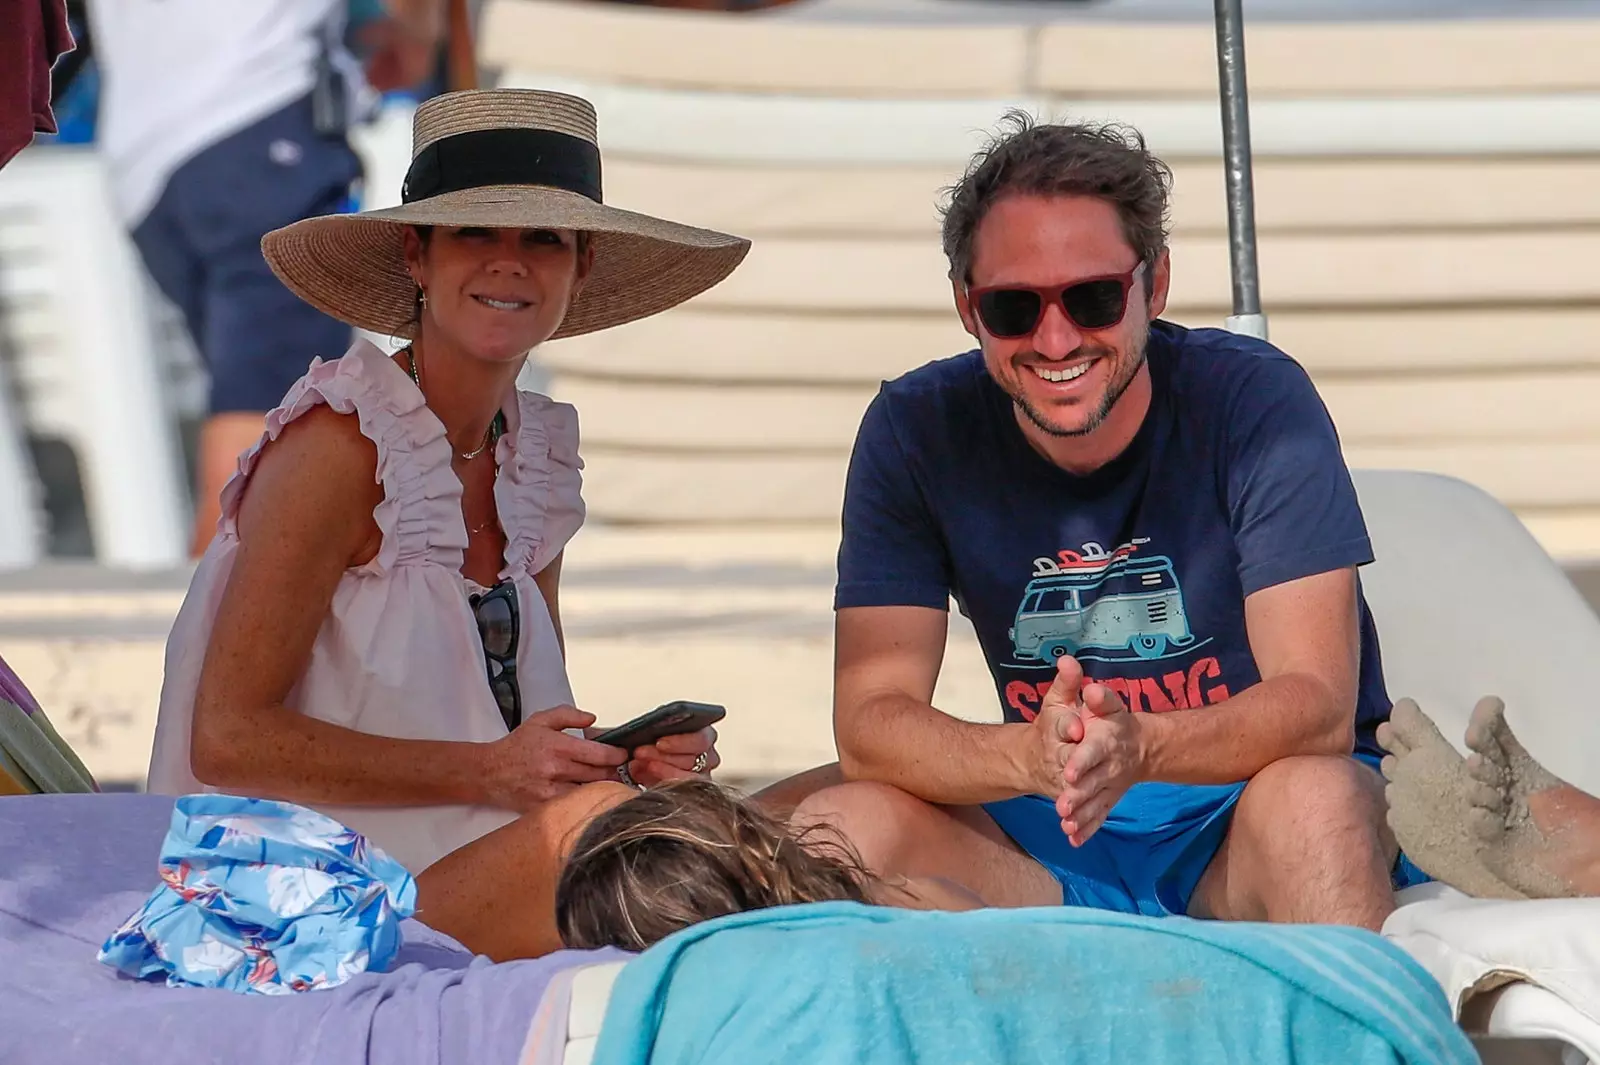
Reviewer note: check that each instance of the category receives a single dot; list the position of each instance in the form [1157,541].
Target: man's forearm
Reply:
[287,755]
[898,740]
[1234,740]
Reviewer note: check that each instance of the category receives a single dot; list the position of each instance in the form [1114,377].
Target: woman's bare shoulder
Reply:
[318,478]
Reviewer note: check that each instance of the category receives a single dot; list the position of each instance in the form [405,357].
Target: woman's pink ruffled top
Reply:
[399,652]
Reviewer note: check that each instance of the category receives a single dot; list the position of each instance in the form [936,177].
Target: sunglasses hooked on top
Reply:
[1012,311]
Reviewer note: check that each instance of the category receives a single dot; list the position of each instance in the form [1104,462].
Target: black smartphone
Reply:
[668,719]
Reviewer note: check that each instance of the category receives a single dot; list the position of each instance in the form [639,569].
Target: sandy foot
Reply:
[1431,797]
[1534,832]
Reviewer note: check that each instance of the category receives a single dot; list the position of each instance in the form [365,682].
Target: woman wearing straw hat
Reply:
[374,631]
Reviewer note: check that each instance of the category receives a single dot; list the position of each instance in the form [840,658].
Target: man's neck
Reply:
[1082,455]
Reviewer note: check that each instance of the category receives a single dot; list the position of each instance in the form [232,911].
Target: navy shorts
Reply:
[1137,870]
[202,245]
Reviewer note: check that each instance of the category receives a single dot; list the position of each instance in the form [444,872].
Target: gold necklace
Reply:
[490,435]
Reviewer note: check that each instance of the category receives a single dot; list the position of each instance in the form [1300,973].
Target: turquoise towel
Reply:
[842,983]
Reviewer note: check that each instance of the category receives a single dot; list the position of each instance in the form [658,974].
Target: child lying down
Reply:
[636,867]
[267,897]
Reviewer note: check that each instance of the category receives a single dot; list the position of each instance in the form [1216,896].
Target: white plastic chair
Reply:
[21,517]
[78,312]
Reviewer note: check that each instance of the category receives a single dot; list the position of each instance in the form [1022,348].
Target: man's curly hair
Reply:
[1107,161]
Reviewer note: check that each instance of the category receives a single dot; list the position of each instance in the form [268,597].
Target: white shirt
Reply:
[398,653]
[180,75]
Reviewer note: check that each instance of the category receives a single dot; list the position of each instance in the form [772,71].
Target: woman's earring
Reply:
[422,297]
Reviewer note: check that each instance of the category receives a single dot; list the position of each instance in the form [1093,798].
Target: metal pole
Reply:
[1247,317]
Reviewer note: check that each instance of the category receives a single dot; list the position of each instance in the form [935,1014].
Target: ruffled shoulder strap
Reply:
[539,492]
[421,509]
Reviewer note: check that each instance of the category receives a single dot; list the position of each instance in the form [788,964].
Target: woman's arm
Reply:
[299,531]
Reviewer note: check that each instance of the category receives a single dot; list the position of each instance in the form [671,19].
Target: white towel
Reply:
[1472,946]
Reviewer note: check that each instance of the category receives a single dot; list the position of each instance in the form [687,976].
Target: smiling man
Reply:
[1156,538]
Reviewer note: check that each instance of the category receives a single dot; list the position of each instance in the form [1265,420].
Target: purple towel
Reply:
[72,866]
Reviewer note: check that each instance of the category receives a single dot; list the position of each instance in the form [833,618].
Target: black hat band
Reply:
[504,157]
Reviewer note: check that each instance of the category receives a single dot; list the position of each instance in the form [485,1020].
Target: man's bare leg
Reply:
[1535,831]
[783,796]
[899,836]
[223,438]
[1308,845]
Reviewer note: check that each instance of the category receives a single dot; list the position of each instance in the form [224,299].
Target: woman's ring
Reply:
[700,761]
[626,777]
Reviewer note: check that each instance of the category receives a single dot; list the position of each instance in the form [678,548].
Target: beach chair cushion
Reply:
[566,1026]
[1467,603]
[1547,949]
[591,992]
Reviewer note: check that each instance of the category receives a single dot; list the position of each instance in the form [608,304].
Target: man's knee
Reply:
[1309,798]
[1307,843]
[879,821]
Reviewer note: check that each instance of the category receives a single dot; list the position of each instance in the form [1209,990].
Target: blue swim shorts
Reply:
[1151,852]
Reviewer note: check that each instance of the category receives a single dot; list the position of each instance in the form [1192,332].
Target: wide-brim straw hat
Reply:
[507,158]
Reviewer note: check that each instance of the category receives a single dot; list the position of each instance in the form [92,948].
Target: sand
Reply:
[1429,794]
[1510,843]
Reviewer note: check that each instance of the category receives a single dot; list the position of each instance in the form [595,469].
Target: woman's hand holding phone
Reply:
[674,757]
[665,743]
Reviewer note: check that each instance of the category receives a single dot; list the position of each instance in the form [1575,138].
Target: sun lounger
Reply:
[1468,604]
[1511,970]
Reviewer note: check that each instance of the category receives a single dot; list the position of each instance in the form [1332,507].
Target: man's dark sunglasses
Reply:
[1012,311]
[496,614]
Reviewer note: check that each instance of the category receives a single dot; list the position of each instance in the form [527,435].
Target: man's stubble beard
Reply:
[1113,393]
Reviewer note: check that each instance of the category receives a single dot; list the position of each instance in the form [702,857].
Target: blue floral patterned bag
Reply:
[264,897]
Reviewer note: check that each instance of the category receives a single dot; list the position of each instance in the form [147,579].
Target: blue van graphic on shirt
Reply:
[1102,607]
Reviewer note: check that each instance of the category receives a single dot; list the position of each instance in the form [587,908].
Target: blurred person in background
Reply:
[36,35]
[220,122]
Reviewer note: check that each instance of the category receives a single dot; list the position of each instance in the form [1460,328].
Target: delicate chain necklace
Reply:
[490,435]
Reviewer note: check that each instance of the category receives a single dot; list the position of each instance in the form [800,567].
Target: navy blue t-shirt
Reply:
[1234,483]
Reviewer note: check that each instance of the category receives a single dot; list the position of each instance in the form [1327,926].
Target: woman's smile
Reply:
[503,304]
